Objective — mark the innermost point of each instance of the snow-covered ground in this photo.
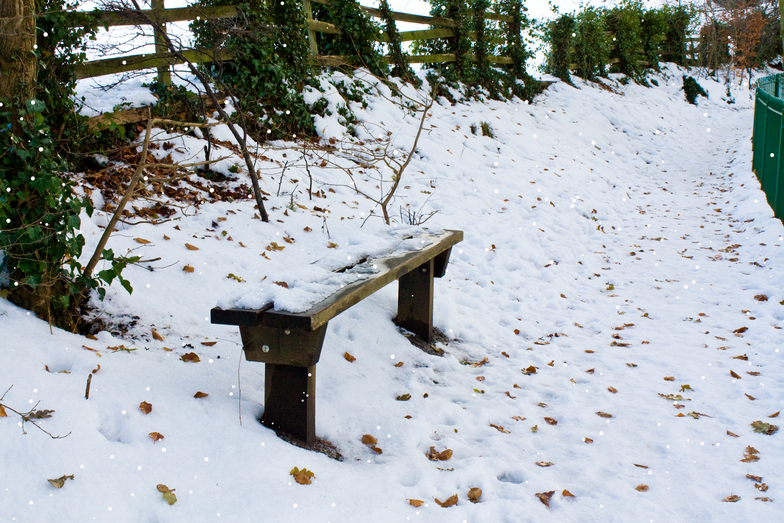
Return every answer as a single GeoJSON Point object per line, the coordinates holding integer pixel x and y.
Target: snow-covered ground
{"type": "Point", "coordinates": [617, 242]}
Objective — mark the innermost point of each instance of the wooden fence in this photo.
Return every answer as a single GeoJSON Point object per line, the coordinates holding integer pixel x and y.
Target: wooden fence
{"type": "Point", "coordinates": [163, 60]}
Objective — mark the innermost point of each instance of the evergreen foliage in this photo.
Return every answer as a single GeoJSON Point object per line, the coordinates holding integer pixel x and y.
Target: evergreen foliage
{"type": "Point", "coordinates": [692, 89]}
{"type": "Point", "coordinates": [271, 65]}
{"type": "Point", "coordinates": [400, 67]}
{"type": "Point", "coordinates": [39, 211]}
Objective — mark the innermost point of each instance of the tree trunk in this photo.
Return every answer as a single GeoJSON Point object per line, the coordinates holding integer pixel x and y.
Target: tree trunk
{"type": "Point", "coordinates": [17, 38]}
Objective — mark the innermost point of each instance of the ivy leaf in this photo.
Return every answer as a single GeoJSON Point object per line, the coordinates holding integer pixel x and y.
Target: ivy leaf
{"type": "Point", "coordinates": [764, 428]}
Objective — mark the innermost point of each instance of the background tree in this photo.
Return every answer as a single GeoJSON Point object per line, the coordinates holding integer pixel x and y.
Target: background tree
{"type": "Point", "coordinates": [17, 37]}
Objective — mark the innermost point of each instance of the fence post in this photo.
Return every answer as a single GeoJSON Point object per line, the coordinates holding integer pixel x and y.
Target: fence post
{"type": "Point", "coordinates": [164, 75]}
{"type": "Point", "coordinates": [311, 33]}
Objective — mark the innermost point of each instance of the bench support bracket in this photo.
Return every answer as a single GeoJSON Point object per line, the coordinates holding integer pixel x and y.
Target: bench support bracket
{"type": "Point", "coordinates": [290, 400]}
{"type": "Point", "coordinates": [415, 301]}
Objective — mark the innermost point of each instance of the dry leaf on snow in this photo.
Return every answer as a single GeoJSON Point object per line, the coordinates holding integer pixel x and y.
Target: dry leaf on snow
{"type": "Point", "coordinates": [191, 247]}
{"type": "Point", "coordinates": [588, 440]}
{"type": "Point", "coordinates": [415, 502]}
{"type": "Point", "coordinates": [758, 479]}
{"type": "Point", "coordinates": [641, 487]}
{"type": "Point", "coordinates": [474, 493]}
{"type": "Point", "coordinates": [775, 414]}
{"type": "Point", "coordinates": [545, 463]}
{"type": "Point", "coordinates": [735, 375]}
{"type": "Point", "coordinates": [450, 501]}
{"type": "Point", "coordinates": [669, 378]}
{"type": "Point", "coordinates": [156, 335]}
{"type": "Point", "coordinates": [168, 494]}
{"type": "Point", "coordinates": [59, 482]}
{"type": "Point", "coordinates": [732, 434]}
{"type": "Point", "coordinates": [348, 357]}
{"type": "Point", "coordinates": [551, 421]}
{"type": "Point", "coordinates": [145, 407]}
{"type": "Point", "coordinates": [434, 455]}
{"type": "Point", "coordinates": [301, 476]}
{"type": "Point", "coordinates": [499, 428]}
{"type": "Point", "coordinates": [142, 241]}
{"type": "Point", "coordinates": [732, 499]}
{"type": "Point", "coordinates": [544, 497]}
{"type": "Point", "coordinates": [612, 389]}
{"type": "Point", "coordinates": [209, 343]}
{"type": "Point", "coordinates": [367, 439]}
{"type": "Point", "coordinates": [191, 356]}
{"type": "Point", "coordinates": [604, 414]}
{"type": "Point", "coordinates": [200, 394]}
{"type": "Point", "coordinates": [188, 268]}
{"type": "Point", "coordinates": [567, 494]}
{"type": "Point", "coordinates": [156, 436]}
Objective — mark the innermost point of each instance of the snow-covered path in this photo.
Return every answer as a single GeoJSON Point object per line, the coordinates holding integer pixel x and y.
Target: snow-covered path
{"type": "Point", "coordinates": [613, 244]}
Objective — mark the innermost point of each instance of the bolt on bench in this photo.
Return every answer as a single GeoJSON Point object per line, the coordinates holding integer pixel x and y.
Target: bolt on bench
{"type": "Point", "coordinates": [290, 343]}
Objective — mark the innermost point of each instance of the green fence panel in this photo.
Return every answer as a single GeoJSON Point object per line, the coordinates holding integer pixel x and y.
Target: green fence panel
{"type": "Point", "coordinates": [768, 140]}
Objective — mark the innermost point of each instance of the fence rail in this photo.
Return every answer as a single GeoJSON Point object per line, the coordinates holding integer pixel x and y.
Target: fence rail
{"type": "Point", "coordinates": [768, 140]}
{"type": "Point", "coordinates": [163, 60]}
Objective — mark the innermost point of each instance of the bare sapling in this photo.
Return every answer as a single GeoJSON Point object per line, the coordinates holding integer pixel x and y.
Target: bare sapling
{"type": "Point", "coordinates": [374, 160]}
{"type": "Point", "coordinates": [138, 175]}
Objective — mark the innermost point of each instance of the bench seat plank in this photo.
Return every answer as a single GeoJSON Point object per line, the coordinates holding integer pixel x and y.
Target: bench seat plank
{"type": "Point", "coordinates": [322, 312]}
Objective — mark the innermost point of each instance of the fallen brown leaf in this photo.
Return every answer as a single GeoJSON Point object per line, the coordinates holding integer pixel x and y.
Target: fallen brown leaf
{"type": "Point", "coordinates": [732, 434]}
{"type": "Point", "coordinates": [156, 335]}
{"type": "Point", "coordinates": [188, 268]}
{"type": "Point", "coordinates": [545, 463]}
{"type": "Point", "coordinates": [735, 375]}
{"type": "Point", "coordinates": [669, 378]}
{"type": "Point", "coordinates": [145, 407]}
{"type": "Point", "coordinates": [758, 479]}
{"type": "Point", "coordinates": [156, 436]}
{"type": "Point", "coordinates": [434, 455]}
{"type": "Point", "coordinates": [551, 421]}
{"type": "Point", "coordinates": [142, 241]}
{"type": "Point", "coordinates": [474, 493]}
{"type": "Point", "coordinates": [191, 247]}
{"type": "Point", "coordinates": [567, 494]}
{"type": "Point", "coordinates": [604, 414]}
{"type": "Point", "coordinates": [641, 487]}
{"type": "Point", "coordinates": [416, 502]}
{"type": "Point", "coordinates": [191, 356]}
{"type": "Point", "coordinates": [450, 501]}
{"type": "Point", "coordinates": [367, 439]}
{"type": "Point", "coordinates": [200, 394]}
{"type": "Point", "coordinates": [544, 497]}
{"type": "Point", "coordinates": [775, 414]}
{"type": "Point", "coordinates": [588, 440]}
{"type": "Point", "coordinates": [612, 389]}
{"type": "Point", "coordinates": [209, 343]}
{"type": "Point", "coordinates": [349, 357]}
{"type": "Point", "coordinates": [732, 499]}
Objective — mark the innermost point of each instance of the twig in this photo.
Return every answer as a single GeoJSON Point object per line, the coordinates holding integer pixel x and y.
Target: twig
{"type": "Point", "coordinates": [87, 391]}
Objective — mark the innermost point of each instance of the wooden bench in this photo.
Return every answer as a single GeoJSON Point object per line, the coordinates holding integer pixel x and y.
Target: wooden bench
{"type": "Point", "coordinates": [290, 343]}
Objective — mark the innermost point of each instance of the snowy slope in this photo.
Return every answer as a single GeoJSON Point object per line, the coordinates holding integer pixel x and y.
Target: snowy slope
{"type": "Point", "coordinates": [597, 226]}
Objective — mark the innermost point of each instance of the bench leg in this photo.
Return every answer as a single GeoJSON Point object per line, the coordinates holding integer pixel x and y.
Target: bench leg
{"type": "Point", "coordinates": [290, 400]}
{"type": "Point", "coordinates": [415, 301]}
